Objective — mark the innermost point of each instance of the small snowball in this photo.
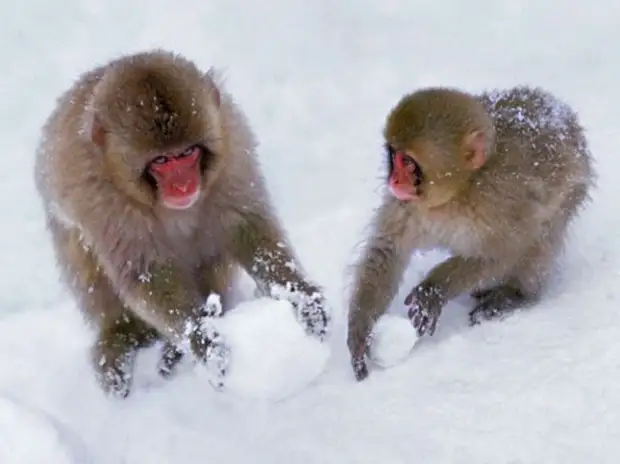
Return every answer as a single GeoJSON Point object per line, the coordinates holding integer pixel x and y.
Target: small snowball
{"type": "Point", "coordinates": [393, 339]}
{"type": "Point", "coordinates": [271, 357]}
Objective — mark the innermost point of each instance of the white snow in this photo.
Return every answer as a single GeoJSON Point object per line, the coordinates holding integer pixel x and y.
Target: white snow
{"type": "Point", "coordinates": [21, 428]}
{"type": "Point", "coordinates": [393, 338]}
{"type": "Point", "coordinates": [317, 79]}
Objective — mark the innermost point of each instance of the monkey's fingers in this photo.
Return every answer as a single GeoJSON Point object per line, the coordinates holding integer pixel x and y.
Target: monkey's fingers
{"type": "Point", "coordinates": [314, 315]}
{"type": "Point", "coordinates": [360, 368]}
{"type": "Point", "coordinates": [209, 347]}
{"type": "Point", "coordinates": [218, 356]}
{"type": "Point", "coordinates": [424, 321]}
{"type": "Point", "coordinates": [358, 342]}
{"type": "Point", "coordinates": [171, 356]}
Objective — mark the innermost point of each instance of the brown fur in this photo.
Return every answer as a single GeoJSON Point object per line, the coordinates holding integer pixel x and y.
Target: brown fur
{"type": "Point", "coordinates": [140, 271]}
{"type": "Point", "coordinates": [505, 223]}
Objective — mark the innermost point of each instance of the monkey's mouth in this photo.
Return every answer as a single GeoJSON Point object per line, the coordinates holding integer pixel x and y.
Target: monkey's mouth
{"type": "Point", "coordinates": [181, 202]}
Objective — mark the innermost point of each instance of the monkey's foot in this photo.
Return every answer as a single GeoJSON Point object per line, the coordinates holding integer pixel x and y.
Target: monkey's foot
{"type": "Point", "coordinates": [114, 373]}
{"type": "Point", "coordinates": [170, 358]}
{"type": "Point", "coordinates": [496, 303]}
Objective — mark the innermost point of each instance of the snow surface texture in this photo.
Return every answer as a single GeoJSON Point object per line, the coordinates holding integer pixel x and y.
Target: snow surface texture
{"type": "Point", "coordinates": [317, 79]}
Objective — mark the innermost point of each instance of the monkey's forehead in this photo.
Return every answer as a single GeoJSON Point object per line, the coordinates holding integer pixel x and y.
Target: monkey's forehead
{"type": "Point", "coordinates": [432, 116]}
{"type": "Point", "coordinates": [154, 109]}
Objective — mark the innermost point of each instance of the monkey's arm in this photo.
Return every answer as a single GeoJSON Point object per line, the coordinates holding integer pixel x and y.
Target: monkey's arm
{"type": "Point", "coordinates": [376, 279]}
{"type": "Point", "coordinates": [259, 245]}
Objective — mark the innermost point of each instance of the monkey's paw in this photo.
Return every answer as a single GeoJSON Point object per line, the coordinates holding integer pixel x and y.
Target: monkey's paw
{"type": "Point", "coordinates": [426, 303]}
{"type": "Point", "coordinates": [311, 308]}
{"type": "Point", "coordinates": [209, 346]}
{"type": "Point", "coordinates": [171, 356]}
{"type": "Point", "coordinates": [314, 315]}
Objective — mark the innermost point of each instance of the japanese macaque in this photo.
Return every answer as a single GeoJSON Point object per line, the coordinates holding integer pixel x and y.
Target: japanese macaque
{"type": "Point", "coordinates": [494, 178]}
{"type": "Point", "coordinates": [155, 200]}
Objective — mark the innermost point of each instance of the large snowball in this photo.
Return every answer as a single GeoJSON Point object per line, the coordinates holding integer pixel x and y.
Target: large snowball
{"type": "Point", "coordinates": [271, 357]}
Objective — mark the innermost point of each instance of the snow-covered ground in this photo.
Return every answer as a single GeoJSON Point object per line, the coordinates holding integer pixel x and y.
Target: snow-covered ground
{"type": "Point", "coordinates": [316, 79]}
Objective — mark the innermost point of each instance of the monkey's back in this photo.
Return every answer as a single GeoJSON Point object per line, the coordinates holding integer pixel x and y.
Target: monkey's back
{"type": "Point", "coordinates": [540, 141]}
{"type": "Point", "coordinates": [538, 132]}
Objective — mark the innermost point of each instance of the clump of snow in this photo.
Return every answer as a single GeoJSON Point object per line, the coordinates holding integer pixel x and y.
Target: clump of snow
{"type": "Point", "coordinates": [393, 338]}
{"type": "Point", "coordinates": [271, 356]}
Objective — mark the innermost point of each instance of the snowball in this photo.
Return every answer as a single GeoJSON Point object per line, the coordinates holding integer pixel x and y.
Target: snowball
{"type": "Point", "coordinates": [393, 339]}
{"type": "Point", "coordinates": [271, 356]}
{"type": "Point", "coordinates": [27, 436]}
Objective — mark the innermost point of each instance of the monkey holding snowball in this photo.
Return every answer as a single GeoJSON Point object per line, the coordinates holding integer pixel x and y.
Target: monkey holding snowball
{"type": "Point", "coordinates": [496, 179]}
{"type": "Point", "coordinates": [154, 199]}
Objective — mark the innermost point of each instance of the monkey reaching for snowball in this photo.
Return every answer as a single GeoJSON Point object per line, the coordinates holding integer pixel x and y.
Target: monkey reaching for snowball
{"type": "Point", "coordinates": [154, 199]}
{"type": "Point", "coordinates": [495, 178]}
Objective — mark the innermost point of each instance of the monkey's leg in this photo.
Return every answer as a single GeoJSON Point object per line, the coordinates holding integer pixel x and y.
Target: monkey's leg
{"type": "Point", "coordinates": [521, 289]}
{"type": "Point", "coordinates": [215, 277]}
{"type": "Point", "coordinates": [524, 285]}
{"type": "Point", "coordinates": [496, 302]}
{"type": "Point", "coordinates": [121, 333]}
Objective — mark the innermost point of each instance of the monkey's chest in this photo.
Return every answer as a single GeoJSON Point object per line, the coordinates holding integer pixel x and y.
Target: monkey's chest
{"type": "Point", "coordinates": [460, 236]}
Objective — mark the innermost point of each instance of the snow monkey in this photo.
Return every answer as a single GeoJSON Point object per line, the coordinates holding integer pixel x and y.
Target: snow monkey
{"type": "Point", "coordinates": [154, 200]}
{"type": "Point", "coordinates": [494, 178]}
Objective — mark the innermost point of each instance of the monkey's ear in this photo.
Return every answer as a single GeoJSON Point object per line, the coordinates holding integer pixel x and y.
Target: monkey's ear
{"type": "Point", "coordinates": [93, 128]}
{"type": "Point", "coordinates": [214, 91]}
{"type": "Point", "coordinates": [475, 148]}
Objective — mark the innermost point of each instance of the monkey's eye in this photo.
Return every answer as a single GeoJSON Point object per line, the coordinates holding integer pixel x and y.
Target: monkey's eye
{"type": "Point", "coordinates": [160, 160]}
{"type": "Point", "coordinates": [409, 162]}
{"type": "Point", "coordinates": [189, 151]}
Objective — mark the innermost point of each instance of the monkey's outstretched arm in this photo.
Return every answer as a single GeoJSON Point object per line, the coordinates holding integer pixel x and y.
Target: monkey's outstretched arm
{"type": "Point", "coordinates": [262, 250]}
{"type": "Point", "coordinates": [376, 279]}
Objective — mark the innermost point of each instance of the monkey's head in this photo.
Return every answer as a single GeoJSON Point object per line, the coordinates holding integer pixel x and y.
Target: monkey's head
{"type": "Point", "coordinates": [155, 118]}
{"type": "Point", "coordinates": [436, 141]}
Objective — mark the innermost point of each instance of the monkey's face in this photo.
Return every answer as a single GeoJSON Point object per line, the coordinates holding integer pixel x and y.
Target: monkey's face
{"type": "Point", "coordinates": [154, 124]}
{"type": "Point", "coordinates": [424, 175]}
{"type": "Point", "coordinates": [404, 175]}
{"type": "Point", "coordinates": [176, 177]}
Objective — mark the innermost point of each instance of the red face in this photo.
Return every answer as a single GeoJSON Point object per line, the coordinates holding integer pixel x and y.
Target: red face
{"type": "Point", "coordinates": [405, 176]}
{"type": "Point", "coordinates": [178, 177]}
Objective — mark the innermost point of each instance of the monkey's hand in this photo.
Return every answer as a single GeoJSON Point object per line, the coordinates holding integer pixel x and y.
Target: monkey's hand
{"type": "Point", "coordinates": [359, 342]}
{"type": "Point", "coordinates": [426, 302]}
{"type": "Point", "coordinates": [313, 314]}
{"type": "Point", "coordinates": [210, 348]}
{"type": "Point", "coordinates": [310, 306]}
